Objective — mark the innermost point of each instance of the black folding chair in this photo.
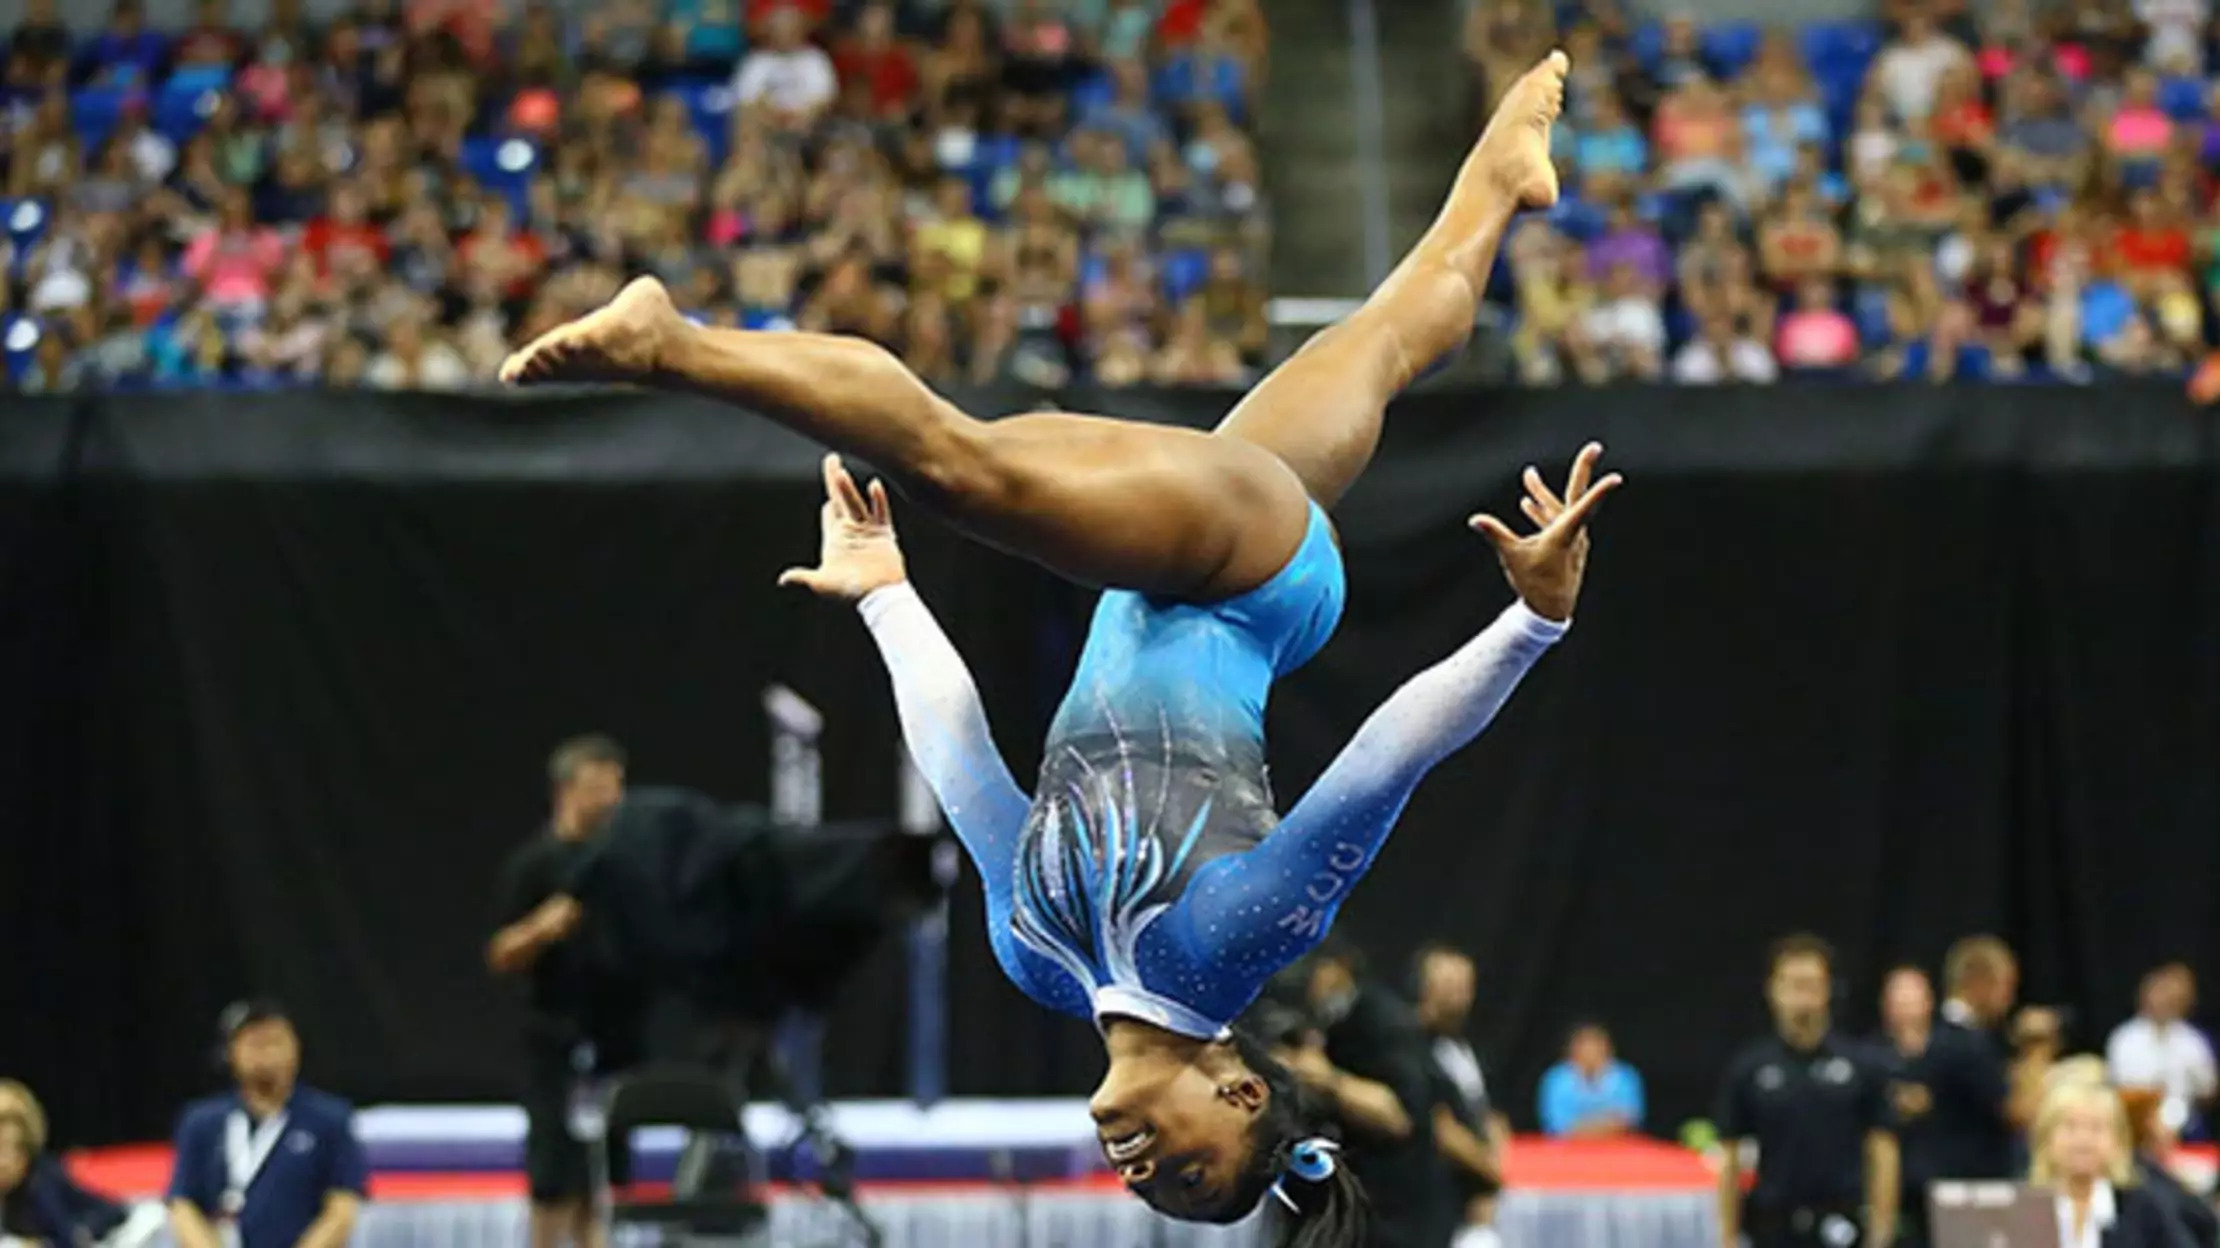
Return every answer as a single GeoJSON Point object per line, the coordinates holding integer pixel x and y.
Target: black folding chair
{"type": "Point", "coordinates": [707, 1200]}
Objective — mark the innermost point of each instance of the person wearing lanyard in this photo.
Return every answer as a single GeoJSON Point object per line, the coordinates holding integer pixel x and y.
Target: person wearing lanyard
{"type": "Point", "coordinates": [1818, 1110]}
{"type": "Point", "coordinates": [270, 1164]}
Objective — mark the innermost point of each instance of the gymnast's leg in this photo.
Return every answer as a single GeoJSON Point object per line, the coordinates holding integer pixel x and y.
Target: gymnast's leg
{"type": "Point", "coordinates": [1106, 502]}
{"type": "Point", "coordinates": [1167, 511]}
{"type": "Point", "coordinates": [1321, 410]}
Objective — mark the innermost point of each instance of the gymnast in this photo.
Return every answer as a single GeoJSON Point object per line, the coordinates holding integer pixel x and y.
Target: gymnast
{"type": "Point", "coordinates": [1148, 885]}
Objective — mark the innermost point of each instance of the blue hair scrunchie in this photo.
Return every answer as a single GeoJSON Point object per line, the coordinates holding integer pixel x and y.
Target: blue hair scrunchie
{"type": "Point", "coordinates": [1312, 1160]}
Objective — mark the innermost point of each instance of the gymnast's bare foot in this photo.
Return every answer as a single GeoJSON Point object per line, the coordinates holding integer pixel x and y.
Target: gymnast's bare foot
{"type": "Point", "coordinates": [1515, 148]}
{"type": "Point", "coordinates": [622, 340]}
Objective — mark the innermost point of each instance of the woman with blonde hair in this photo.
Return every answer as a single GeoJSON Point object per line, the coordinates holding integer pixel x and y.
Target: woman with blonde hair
{"type": "Point", "coordinates": [2082, 1152]}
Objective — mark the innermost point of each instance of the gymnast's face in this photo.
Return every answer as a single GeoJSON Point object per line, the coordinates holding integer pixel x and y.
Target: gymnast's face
{"type": "Point", "coordinates": [1178, 1134]}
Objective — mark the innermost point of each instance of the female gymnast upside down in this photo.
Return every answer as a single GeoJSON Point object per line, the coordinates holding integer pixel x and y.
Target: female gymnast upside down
{"type": "Point", "coordinates": [1148, 884]}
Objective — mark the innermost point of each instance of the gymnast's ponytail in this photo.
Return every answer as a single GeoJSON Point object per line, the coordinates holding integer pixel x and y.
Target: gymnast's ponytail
{"type": "Point", "coordinates": [1296, 1169]}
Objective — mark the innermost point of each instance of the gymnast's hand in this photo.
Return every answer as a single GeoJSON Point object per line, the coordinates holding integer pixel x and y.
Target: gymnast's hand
{"type": "Point", "coordinates": [1546, 567]}
{"type": "Point", "coordinates": [857, 552]}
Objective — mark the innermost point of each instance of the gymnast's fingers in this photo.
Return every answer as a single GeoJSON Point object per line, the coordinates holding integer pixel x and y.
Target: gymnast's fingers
{"type": "Point", "coordinates": [1583, 470]}
{"type": "Point", "coordinates": [805, 577]}
{"type": "Point", "coordinates": [1535, 511]}
{"type": "Point", "coordinates": [1497, 532]}
{"type": "Point", "coordinates": [852, 505]}
{"type": "Point", "coordinates": [882, 511]}
{"type": "Point", "coordinates": [1576, 516]}
{"type": "Point", "coordinates": [1541, 491]}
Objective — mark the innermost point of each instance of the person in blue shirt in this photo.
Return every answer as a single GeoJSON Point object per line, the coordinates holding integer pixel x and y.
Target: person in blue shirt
{"type": "Point", "coordinates": [1591, 1093]}
{"type": "Point", "coordinates": [270, 1164]}
{"type": "Point", "coordinates": [1148, 883]}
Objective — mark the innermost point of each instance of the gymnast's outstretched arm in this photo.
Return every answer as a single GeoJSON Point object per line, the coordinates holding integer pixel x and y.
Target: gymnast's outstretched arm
{"type": "Point", "coordinates": [943, 722]}
{"type": "Point", "coordinates": [1311, 861]}
{"type": "Point", "coordinates": [945, 726]}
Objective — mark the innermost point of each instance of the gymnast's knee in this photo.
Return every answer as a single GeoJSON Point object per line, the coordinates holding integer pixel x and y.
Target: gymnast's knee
{"type": "Point", "coordinates": [960, 467]}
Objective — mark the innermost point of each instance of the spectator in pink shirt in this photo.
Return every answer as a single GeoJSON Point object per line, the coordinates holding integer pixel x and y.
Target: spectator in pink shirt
{"type": "Point", "coordinates": [2139, 130]}
{"type": "Point", "coordinates": [1816, 335]}
{"type": "Point", "coordinates": [234, 261]}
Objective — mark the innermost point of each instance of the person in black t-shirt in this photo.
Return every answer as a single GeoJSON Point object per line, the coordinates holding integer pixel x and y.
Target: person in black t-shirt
{"type": "Point", "coordinates": [1375, 1066]}
{"type": "Point", "coordinates": [1468, 1131]}
{"type": "Point", "coordinates": [565, 992]}
{"type": "Point", "coordinates": [1817, 1108]}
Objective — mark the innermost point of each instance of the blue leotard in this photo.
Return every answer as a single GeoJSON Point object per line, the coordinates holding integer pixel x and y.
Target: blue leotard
{"type": "Point", "coordinates": [1150, 877]}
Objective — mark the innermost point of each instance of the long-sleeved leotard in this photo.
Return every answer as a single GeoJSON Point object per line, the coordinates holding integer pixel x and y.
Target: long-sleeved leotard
{"type": "Point", "coordinates": [1149, 876]}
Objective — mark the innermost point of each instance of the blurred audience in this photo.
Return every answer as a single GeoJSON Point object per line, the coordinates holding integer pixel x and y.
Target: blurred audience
{"type": "Point", "coordinates": [372, 201]}
{"type": "Point", "coordinates": [1591, 1093]}
{"type": "Point", "coordinates": [1950, 196]}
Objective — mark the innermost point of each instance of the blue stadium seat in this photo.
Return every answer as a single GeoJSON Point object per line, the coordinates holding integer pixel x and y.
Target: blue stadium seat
{"type": "Point", "coordinates": [25, 221]}
{"type": "Point", "coordinates": [1729, 47]}
{"type": "Point", "coordinates": [194, 79]}
{"type": "Point", "coordinates": [1184, 273]}
{"type": "Point", "coordinates": [1649, 44]}
{"type": "Point", "coordinates": [1091, 92]}
{"type": "Point", "coordinates": [1870, 310]}
{"type": "Point", "coordinates": [183, 106]}
{"type": "Point", "coordinates": [1576, 218]}
{"type": "Point", "coordinates": [500, 162]}
{"type": "Point", "coordinates": [2183, 98]}
{"type": "Point", "coordinates": [94, 112]}
{"type": "Point", "coordinates": [19, 338]}
{"type": "Point", "coordinates": [1841, 47]}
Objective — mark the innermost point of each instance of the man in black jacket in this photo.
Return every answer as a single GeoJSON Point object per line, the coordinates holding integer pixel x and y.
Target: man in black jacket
{"type": "Point", "coordinates": [1375, 1065]}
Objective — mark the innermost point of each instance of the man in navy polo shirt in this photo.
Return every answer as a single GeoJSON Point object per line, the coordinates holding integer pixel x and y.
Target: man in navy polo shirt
{"type": "Point", "coordinates": [270, 1164]}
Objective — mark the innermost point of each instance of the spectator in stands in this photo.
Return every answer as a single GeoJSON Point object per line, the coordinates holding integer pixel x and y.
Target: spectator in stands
{"type": "Point", "coordinates": [789, 78]}
{"type": "Point", "coordinates": [2159, 1048]}
{"type": "Point", "coordinates": [125, 53]}
{"type": "Point", "coordinates": [1909, 71]}
{"type": "Point", "coordinates": [1471, 1134]}
{"type": "Point", "coordinates": [1633, 244]}
{"type": "Point", "coordinates": [1591, 1093]}
{"type": "Point", "coordinates": [1554, 300]}
{"type": "Point", "coordinates": [417, 358]}
{"type": "Point", "coordinates": [1626, 327]}
{"type": "Point", "coordinates": [874, 56]}
{"type": "Point", "coordinates": [1610, 152]}
{"type": "Point", "coordinates": [1783, 113]}
{"type": "Point", "coordinates": [1127, 115]}
{"type": "Point", "coordinates": [1816, 336]}
{"type": "Point", "coordinates": [1718, 353]}
{"type": "Point", "coordinates": [1798, 242]}
{"type": "Point", "coordinates": [2081, 1151]}
{"type": "Point", "coordinates": [272, 1163]}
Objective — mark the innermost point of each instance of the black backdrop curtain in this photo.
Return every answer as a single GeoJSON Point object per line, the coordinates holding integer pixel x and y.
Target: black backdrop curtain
{"type": "Point", "coordinates": [1891, 665]}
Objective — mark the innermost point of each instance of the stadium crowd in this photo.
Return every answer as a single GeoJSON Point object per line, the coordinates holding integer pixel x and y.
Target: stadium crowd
{"type": "Point", "coordinates": [1014, 188]}
{"type": "Point", "coordinates": [2019, 189]}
